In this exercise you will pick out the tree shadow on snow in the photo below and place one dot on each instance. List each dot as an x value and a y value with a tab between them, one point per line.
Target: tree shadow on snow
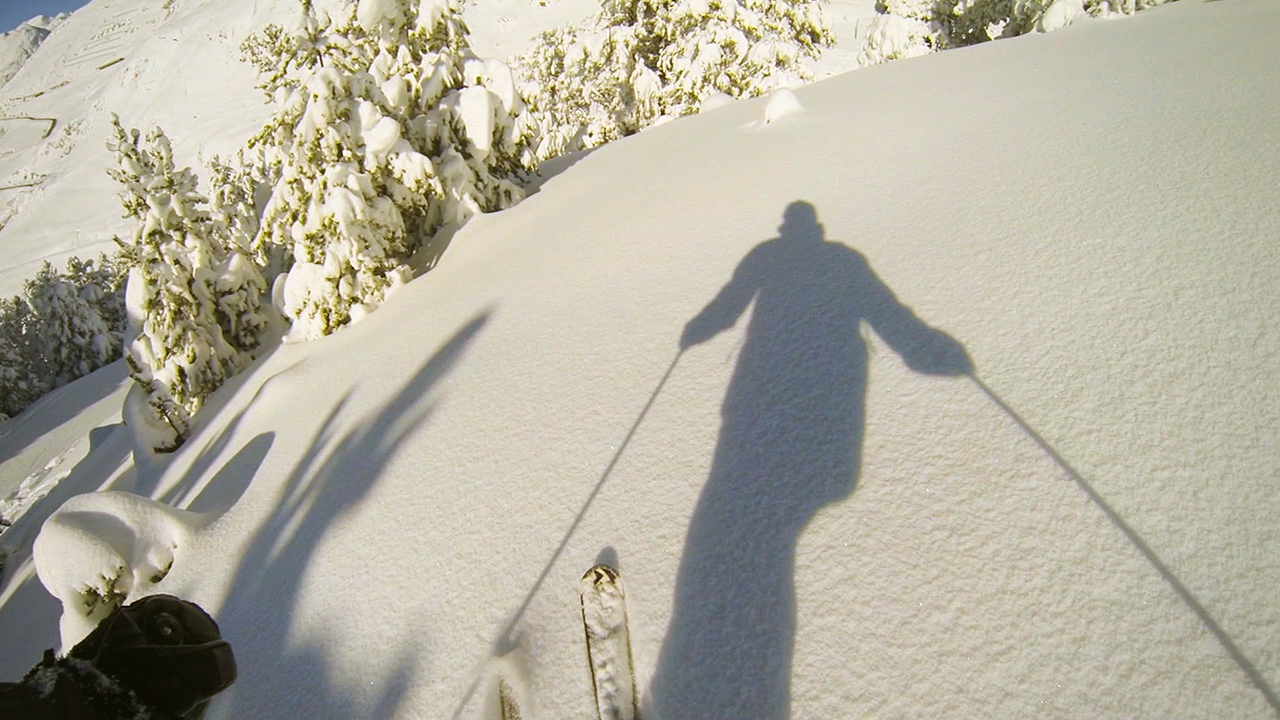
28	623
790	443
281	676
27	610
149	467
28	613
226	487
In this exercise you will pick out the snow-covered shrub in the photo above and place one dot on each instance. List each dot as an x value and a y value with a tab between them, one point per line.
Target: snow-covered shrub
1102	8
70	335
101	550
193	303
387	127
236	200
102	284
20	384
587	87
907	28
639	61
896	37
968	22
66	324
236	187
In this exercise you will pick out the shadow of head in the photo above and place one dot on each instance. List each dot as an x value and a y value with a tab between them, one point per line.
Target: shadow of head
800	223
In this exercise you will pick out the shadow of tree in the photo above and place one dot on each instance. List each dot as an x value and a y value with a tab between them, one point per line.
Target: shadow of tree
278	676
225	488
790	443
150	467
28	621
28	613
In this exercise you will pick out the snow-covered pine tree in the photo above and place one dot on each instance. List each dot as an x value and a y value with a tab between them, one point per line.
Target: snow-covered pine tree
236	198
66	324
69	334
906	28
192	303
102	284
741	49
639	61
387	127
235	187
586	86
901	29
20	384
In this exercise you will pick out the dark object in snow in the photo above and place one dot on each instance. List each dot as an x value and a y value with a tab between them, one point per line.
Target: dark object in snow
160	658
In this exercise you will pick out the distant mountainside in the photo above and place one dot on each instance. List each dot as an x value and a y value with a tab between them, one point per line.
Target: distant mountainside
21	43
47	22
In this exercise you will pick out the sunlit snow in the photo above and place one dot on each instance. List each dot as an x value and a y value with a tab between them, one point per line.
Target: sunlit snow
944	388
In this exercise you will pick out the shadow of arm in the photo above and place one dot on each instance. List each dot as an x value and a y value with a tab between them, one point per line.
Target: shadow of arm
725	308
923	348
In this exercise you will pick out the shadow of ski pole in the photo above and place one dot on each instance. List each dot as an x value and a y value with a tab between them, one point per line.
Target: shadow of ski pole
505	643
1183	592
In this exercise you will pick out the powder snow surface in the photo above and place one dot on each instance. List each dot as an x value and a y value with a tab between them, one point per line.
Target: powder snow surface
815	516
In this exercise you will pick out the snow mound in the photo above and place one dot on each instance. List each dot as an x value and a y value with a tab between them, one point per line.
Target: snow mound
714	101
100	550
782	102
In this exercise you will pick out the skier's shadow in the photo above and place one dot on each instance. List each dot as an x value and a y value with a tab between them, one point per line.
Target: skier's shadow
790	443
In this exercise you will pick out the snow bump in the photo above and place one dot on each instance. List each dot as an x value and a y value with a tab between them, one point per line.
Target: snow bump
782	102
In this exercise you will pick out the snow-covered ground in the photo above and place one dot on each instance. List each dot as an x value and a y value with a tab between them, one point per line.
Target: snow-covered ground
724	356
20	43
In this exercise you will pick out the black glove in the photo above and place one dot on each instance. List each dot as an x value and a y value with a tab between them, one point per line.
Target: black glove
167	651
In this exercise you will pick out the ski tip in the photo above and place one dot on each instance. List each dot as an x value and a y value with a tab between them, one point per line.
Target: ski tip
507	701
601	573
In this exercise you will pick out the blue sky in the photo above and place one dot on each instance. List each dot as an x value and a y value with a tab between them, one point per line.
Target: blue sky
13	12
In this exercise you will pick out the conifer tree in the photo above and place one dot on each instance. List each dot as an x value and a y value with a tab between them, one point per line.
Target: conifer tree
65	325
907	28
387	127
234	189
20	384
639	61
192	303
102	284
68	333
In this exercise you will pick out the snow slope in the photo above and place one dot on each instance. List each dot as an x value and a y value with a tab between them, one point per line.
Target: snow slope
813	514
19	44
174	64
